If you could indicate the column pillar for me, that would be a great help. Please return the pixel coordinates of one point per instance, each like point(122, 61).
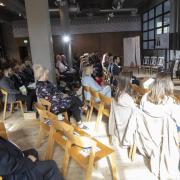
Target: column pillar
point(65, 29)
point(40, 35)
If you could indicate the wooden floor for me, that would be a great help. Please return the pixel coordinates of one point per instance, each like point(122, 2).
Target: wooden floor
point(24, 133)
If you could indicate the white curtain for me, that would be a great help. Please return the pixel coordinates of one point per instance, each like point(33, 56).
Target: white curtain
point(132, 54)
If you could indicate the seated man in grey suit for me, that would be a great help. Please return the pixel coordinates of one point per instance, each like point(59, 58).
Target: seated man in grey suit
point(25, 165)
point(13, 95)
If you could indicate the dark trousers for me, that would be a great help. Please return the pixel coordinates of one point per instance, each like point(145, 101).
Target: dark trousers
point(75, 108)
point(48, 169)
point(29, 99)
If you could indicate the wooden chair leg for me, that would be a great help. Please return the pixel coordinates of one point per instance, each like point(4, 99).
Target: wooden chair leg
point(66, 158)
point(110, 140)
point(5, 108)
point(132, 152)
point(21, 106)
point(90, 113)
point(99, 117)
point(50, 148)
point(113, 166)
point(11, 108)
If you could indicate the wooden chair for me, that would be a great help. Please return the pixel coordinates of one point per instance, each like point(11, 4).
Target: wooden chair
point(5, 94)
point(104, 109)
point(139, 92)
point(47, 106)
point(93, 102)
point(87, 103)
point(74, 141)
point(43, 117)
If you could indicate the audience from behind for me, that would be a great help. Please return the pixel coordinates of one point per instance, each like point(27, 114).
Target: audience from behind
point(60, 102)
point(159, 137)
point(87, 80)
point(122, 108)
point(25, 165)
point(13, 94)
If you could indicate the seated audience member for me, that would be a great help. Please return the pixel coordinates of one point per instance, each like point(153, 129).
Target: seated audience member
point(116, 68)
point(87, 80)
point(59, 102)
point(14, 94)
point(25, 165)
point(158, 134)
point(105, 62)
point(122, 107)
point(29, 71)
point(60, 64)
point(98, 70)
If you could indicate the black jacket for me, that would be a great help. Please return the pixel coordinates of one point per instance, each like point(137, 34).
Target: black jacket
point(14, 165)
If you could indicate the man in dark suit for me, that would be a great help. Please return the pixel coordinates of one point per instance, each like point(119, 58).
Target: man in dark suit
point(25, 165)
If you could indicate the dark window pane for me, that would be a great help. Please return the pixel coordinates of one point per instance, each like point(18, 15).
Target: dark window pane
point(166, 29)
point(167, 6)
point(151, 34)
point(167, 19)
point(159, 31)
point(159, 21)
point(145, 17)
point(145, 36)
point(145, 45)
point(151, 24)
point(145, 26)
point(159, 10)
point(151, 13)
point(151, 44)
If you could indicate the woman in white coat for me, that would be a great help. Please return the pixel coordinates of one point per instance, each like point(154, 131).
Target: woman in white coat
point(158, 128)
point(122, 108)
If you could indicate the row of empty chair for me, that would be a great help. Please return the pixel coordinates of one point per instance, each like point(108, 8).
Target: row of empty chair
point(152, 64)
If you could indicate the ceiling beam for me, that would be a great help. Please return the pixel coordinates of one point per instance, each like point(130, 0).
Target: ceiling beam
point(15, 6)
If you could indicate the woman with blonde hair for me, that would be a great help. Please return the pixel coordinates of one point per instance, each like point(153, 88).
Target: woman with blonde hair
point(158, 131)
point(87, 80)
point(59, 102)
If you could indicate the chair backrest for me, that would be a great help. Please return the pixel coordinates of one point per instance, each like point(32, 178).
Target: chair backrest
point(139, 90)
point(45, 103)
point(85, 89)
point(161, 61)
point(153, 60)
point(146, 60)
point(105, 100)
point(94, 94)
point(41, 111)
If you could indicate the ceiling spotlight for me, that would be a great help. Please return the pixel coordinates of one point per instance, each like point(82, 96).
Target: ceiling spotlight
point(2, 4)
point(66, 39)
point(25, 41)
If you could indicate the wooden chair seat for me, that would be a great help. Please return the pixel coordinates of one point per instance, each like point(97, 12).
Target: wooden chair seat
point(5, 94)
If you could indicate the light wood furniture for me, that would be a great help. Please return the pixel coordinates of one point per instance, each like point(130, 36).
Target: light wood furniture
point(5, 94)
point(94, 102)
point(132, 152)
point(42, 108)
point(139, 92)
point(74, 141)
point(85, 89)
point(104, 109)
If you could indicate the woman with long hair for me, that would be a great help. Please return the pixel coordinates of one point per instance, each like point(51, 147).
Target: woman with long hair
point(122, 107)
point(158, 132)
